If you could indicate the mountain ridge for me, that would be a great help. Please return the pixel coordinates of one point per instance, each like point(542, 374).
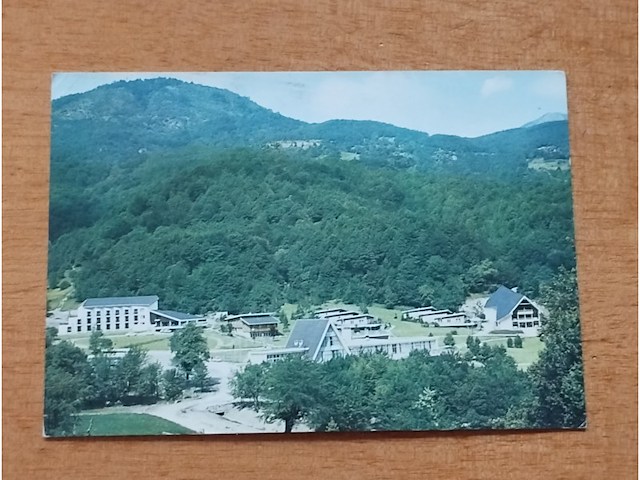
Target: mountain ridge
point(122, 120)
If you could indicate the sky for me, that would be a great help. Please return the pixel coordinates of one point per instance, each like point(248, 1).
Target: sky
point(464, 103)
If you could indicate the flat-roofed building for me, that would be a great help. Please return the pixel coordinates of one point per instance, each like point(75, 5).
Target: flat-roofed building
point(429, 318)
point(415, 312)
point(112, 315)
point(339, 315)
point(457, 320)
point(170, 321)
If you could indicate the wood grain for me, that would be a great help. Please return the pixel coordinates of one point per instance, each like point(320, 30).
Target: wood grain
point(594, 42)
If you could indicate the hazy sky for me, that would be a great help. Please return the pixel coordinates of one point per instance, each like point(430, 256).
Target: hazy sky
point(466, 103)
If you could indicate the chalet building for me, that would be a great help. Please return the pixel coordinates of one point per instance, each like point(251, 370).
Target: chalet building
point(170, 321)
point(507, 309)
point(124, 314)
point(319, 339)
point(254, 325)
point(415, 312)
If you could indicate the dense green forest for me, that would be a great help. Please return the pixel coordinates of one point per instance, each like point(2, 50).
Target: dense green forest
point(250, 229)
point(196, 194)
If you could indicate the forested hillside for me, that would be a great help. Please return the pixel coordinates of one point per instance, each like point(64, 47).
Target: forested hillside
point(249, 229)
point(125, 121)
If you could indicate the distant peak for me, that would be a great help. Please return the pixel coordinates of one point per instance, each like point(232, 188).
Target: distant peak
point(547, 117)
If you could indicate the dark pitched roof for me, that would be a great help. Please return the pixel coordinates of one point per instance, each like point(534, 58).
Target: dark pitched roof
point(503, 300)
point(177, 315)
point(120, 301)
point(307, 333)
point(265, 319)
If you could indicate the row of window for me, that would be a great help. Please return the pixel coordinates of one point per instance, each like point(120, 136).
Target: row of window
point(99, 327)
point(535, 323)
point(108, 312)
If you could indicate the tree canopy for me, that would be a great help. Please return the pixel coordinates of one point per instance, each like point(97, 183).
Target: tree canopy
point(189, 348)
point(249, 230)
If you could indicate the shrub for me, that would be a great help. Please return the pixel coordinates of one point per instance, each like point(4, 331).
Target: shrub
point(509, 342)
point(449, 341)
point(517, 342)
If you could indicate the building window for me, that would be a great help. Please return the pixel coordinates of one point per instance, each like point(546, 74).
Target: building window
point(117, 326)
point(108, 326)
point(68, 329)
point(79, 328)
point(89, 314)
point(529, 324)
point(126, 324)
point(98, 313)
point(117, 311)
point(135, 319)
point(394, 348)
point(515, 324)
point(98, 327)
point(88, 327)
point(536, 323)
point(135, 311)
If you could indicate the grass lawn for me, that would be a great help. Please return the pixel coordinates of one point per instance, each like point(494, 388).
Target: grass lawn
point(160, 341)
point(127, 424)
point(150, 341)
point(525, 356)
point(62, 299)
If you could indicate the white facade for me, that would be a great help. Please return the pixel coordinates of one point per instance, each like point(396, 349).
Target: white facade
point(396, 348)
point(321, 340)
point(455, 320)
point(434, 316)
point(339, 316)
point(416, 312)
point(271, 355)
point(112, 315)
point(508, 310)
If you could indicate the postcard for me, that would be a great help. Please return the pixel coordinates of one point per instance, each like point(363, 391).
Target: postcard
point(286, 252)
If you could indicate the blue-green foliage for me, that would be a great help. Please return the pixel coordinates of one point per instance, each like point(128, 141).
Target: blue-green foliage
point(251, 229)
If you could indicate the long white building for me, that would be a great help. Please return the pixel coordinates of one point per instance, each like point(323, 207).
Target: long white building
point(320, 340)
point(125, 314)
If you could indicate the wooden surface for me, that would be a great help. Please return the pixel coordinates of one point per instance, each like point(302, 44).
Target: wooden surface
point(594, 42)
